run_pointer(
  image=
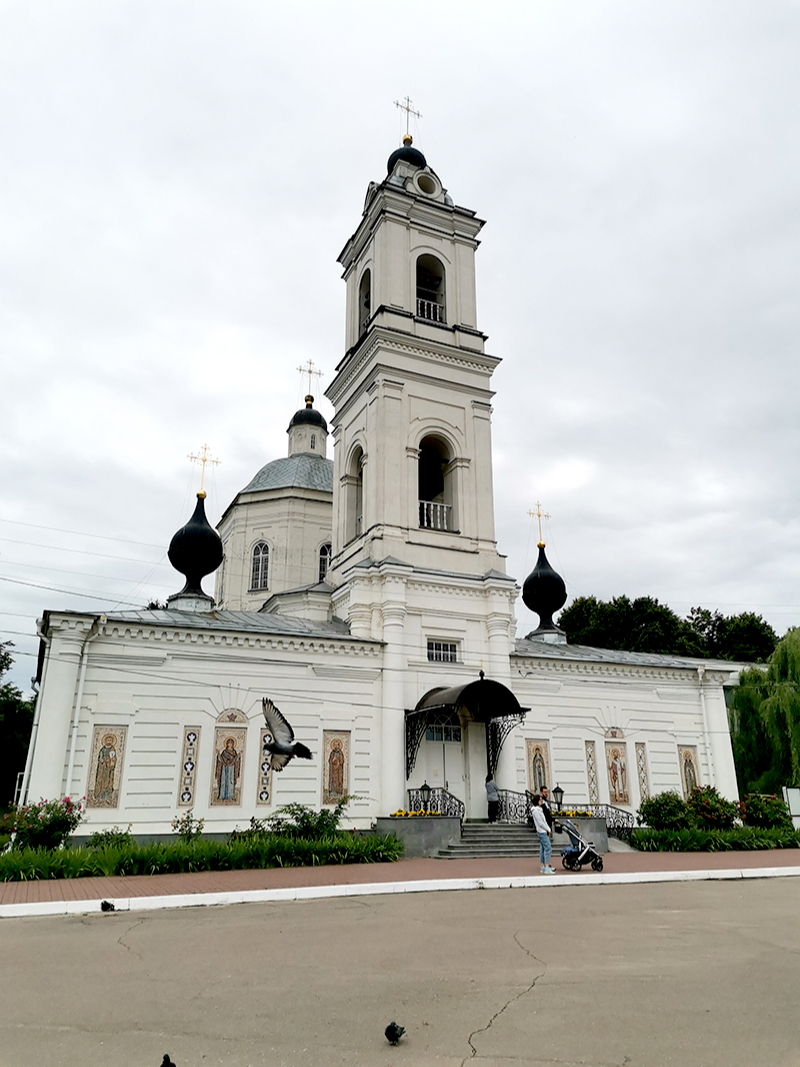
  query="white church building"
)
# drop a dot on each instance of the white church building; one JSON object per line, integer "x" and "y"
{"x": 366, "y": 597}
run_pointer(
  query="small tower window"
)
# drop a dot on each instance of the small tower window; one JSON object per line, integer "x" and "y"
{"x": 260, "y": 572}
{"x": 324, "y": 561}
{"x": 430, "y": 289}
{"x": 313, "y": 442}
{"x": 364, "y": 301}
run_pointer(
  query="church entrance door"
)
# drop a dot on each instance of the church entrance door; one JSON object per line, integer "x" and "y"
{"x": 442, "y": 756}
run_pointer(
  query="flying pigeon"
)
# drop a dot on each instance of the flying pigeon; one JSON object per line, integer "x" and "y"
{"x": 394, "y": 1033}
{"x": 283, "y": 745}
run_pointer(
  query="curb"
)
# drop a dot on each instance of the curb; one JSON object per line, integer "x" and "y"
{"x": 320, "y": 892}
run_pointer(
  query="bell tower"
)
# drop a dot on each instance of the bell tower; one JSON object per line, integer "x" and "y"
{"x": 412, "y": 395}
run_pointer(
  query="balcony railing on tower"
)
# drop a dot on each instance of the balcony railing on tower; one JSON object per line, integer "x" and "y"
{"x": 433, "y": 516}
{"x": 429, "y": 309}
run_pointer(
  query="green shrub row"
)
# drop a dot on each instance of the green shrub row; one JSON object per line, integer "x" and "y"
{"x": 254, "y": 852}
{"x": 695, "y": 839}
{"x": 706, "y": 809}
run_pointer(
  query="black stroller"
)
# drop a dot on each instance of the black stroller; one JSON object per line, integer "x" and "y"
{"x": 580, "y": 851}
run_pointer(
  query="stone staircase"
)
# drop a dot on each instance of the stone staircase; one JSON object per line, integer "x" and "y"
{"x": 480, "y": 840}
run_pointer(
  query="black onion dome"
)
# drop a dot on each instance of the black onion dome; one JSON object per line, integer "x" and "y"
{"x": 407, "y": 154}
{"x": 196, "y": 549}
{"x": 308, "y": 415}
{"x": 544, "y": 592}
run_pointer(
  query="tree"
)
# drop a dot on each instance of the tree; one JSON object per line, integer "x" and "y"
{"x": 645, "y": 625}
{"x": 765, "y": 721}
{"x": 640, "y": 625}
{"x": 745, "y": 637}
{"x": 16, "y": 721}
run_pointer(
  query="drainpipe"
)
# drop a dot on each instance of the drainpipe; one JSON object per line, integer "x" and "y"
{"x": 26, "y": 777}
{"x": 99, "y": 621}
{"x": 706, "y": 740}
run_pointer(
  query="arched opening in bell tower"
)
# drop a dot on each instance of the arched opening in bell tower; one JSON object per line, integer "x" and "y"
{"x": 435, "y": 481}
{"x": 354, "y": 488}
{"x": 364, "y": 301}
{"x": 430, "y": 289}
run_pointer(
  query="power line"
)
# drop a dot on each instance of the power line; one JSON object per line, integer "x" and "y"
{"x": 78, "y": 533}
{"x": 68, "y": 592}
{"x": 81, "y": 551}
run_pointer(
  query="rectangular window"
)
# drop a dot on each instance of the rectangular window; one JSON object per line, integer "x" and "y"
{"x": 442, "y": 652}
{"x": 443, "y": 733}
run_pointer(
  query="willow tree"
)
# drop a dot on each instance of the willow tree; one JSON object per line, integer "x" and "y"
{"x": 765, "y": 721}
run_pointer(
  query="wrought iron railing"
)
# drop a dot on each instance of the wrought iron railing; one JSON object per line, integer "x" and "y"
{"x": 441, "y": 803}
{"x": 514, "y": 807}
{"x": 619, "y": 823}
{"x": 429, "y": 309}
{"x": 433, "y": 516}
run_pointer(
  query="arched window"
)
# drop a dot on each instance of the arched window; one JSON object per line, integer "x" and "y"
{"x": 435, "y": 485}
{"x": 430, "y": 289}
{"x": 324, "y": 561}
{"x": 260, "y": 573}
{"x": 364, "y": 301}
{"x": 354, "y": 482}
{"x": 313, "y": 442}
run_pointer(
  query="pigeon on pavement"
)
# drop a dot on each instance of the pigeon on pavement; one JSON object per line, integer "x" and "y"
{"x": 167, "y": 1062}
{"x": 106, "y": 905}
{"x": 394, "y": 1033}
{"x": 283, "y": 745}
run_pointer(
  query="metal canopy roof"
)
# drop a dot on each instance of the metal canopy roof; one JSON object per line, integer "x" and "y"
{"x": 483, "y": 699}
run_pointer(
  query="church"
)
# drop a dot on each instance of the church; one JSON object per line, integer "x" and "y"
{"x": 359, "y": 587}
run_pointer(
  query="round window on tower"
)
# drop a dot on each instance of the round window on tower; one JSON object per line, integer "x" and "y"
{"x": 426, "y": 183}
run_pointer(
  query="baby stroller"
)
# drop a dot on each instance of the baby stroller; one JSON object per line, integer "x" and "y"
{"x": 580, "y": 851}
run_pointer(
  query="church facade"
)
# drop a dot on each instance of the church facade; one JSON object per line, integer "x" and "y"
{"x": 366, "y": 597}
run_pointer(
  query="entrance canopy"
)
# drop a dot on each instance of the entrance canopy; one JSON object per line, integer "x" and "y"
{"x": 484, "y": 700}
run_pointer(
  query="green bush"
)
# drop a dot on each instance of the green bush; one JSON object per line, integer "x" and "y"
{"x": 695, "y": 839}
{"x": 104, "y": 838}
{"x": 255, "y": 852}
{"x": 667, "y": 811}
{"x": 297, "y": 821}
{"x": 765, "y": 812}
{"x": 708, "y": 810}
{"x": 186, "y": 826}
{"x": 45, "y": 825}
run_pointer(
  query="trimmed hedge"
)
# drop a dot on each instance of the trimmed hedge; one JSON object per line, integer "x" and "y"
{"x": 253, "y": 853}
{"x": 739, "y": 839}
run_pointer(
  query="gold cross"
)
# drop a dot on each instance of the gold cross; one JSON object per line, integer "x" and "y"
{"x": 409, "y": 110}
{"x": 309, "y": 370}
{"x": 539, "y": 514}
{"x": 203, "y": 459}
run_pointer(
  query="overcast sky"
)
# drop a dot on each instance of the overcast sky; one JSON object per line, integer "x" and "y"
{"x": 178, "y": 178}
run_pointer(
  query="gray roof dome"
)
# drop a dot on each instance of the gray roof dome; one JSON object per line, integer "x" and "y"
{"x": 301, "y": 471}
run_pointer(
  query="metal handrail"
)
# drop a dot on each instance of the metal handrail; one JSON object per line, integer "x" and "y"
{"x": 619, "y": 823}
{"x": 514, "y": 807}
{"x": 441, "y": 803}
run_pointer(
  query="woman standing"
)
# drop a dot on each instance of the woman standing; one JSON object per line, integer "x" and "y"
{"x": 543, "y": 830}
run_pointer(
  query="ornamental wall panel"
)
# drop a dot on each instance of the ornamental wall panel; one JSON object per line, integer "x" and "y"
{"x": 690, "y": 778}
{"x": 641, "y": 770}
{"x": 187, "y": 776}
{"x": 617, "y": 766}
{"x": 538, "y": 765}
{"x": 105, "y": 766}
{"x": 264, "y": 792}
{"x": 229, "y": 751}
{"x": 591, "y": 771}
{"x": 335, "y": 765}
